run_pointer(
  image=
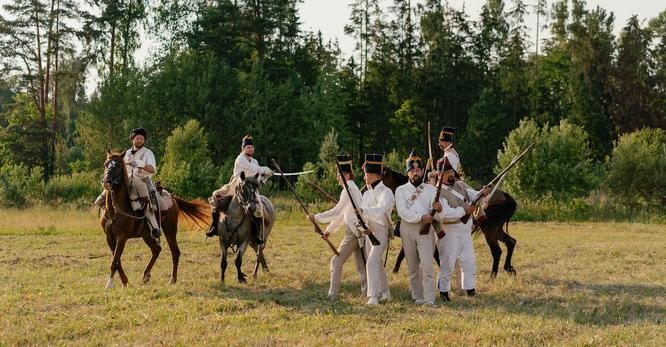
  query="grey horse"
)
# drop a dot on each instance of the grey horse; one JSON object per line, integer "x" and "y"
{"x": 234, "y": 228}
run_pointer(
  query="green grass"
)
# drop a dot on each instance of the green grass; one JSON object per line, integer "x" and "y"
{"x": 577, "y": 284}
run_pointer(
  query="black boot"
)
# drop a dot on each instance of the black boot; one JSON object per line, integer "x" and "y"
{"x": 444, "y": 296}
{"x": 471, "y": 292}
{"x": 213, "y": 226}
{"x": 257, "y": 224}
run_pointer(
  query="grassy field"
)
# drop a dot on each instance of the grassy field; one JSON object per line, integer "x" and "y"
{"x": 577, "y": 284}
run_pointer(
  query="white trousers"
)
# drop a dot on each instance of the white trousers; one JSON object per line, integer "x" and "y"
{"x": 418, "y": 252}
{"x": 377, "y": 279}
{"x": 457, "y": 244}
{"x": 348, "y": 246}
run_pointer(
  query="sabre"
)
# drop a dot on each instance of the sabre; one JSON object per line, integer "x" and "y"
{"x": 316, "y": 226}
{"x": 293, "y": 173}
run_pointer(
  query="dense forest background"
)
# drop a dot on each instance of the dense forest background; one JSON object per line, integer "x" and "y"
{"x": 229, "y": 68}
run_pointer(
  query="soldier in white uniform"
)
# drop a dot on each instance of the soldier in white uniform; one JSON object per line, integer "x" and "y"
{"x": 140, "y": 165}
{"x": 457, "y": 242}
{"x": 222, "y": 197}
{"x": 342, "y": 215}
{"x": 376, "y": 208}
{"x": 414, "y": 200}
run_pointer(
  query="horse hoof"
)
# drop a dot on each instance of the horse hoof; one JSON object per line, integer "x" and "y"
{"x": 241, "y": 278}
{"x": 109, "y": 283}
{"x": 493, "y": 275}
{"x": 511, "y": 271}
{"x": 172, "y": 280}
{"x": 145, "y": 279}
{"x": 124, "y": 285}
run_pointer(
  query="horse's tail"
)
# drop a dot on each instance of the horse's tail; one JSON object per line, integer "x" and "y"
{"x": 195, "y": 210}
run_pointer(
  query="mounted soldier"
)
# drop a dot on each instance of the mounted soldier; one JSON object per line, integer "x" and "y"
{"x": 245, "y": 163}
{"x": 342, "y": 215}
{"x": 141, "y": 166}
{"x": 446, "y": 137}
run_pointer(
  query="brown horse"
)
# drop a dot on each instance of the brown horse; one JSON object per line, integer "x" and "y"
{"x": 495, "y": 229}
{"x": 121, "y": 223}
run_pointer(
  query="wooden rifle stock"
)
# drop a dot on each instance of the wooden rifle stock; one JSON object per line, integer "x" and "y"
{"x": 316, "y": 226}
{"x": 426, "y": 228}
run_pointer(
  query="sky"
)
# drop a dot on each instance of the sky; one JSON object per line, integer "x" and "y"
{"x": 330, "y": 16}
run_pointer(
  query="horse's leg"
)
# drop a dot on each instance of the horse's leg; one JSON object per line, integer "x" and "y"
{"x": 170, "y": 234}
{"x": 223, "y": 262}
{"x": 495, "y": 250}
{"x": 239, "y": 262}
{"x": 116, "y": 265}
{"x": 155, "y": 250}
{"x": 398, "y": 260}
{"x": 262, "y": 258}
{"x": 256, "y": 265}
{"x": 510, "y": 243}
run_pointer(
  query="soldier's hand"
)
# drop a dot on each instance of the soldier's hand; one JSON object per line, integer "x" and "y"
{"x": 310, "y": 217}
{"x": 269, "y": 173}
{"x": 485, "y": 191}
{"x": 426, "y": 218}
{"x": 469, "y": 209}
{"x": 325, "y": 235}
{"x": 132, "y": 163}
{"x": 437, "y": 206}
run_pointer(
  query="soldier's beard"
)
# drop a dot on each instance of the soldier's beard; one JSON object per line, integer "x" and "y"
{"x": 138, "y": 146}
{"x": 451, "y": 180}
{"x": 415, "y": 180}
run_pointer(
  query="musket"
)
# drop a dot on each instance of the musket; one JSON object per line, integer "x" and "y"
{"x": 498, "y": 178}
{"x": 316, "y": 226}
{"x": 426, "y": 228}
{"x": 321, "y": 191}
{"x": 430, "y": 164}
{"x": 361, "y": 222}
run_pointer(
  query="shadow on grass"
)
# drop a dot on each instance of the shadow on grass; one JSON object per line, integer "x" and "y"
{"x": 583, "y": 303}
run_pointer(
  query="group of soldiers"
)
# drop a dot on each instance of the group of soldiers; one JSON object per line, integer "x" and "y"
{"x": 414, "y": 202}
{"x": 445, "y": 220}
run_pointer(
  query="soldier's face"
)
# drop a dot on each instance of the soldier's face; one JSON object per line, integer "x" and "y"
{"x": 448, "y": 176}
{"x": 415, "y": 174}
{"x": 443, "y": 144}
{"x": 138, "y": 141}
{"x": 248, "y": 150}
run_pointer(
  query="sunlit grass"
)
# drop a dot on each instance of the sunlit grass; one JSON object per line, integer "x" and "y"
{"x": 577, "y": 283}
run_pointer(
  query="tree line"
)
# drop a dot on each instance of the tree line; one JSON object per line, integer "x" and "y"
{"x": 247, "y": 66}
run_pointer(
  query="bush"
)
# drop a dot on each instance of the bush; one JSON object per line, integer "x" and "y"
{"x": 187, "y": 170}
{"x": 80, "y": 189}
{"x": 19, "y": 186}
{"x": 559, "y": 166}
{"x": 637, "y": 168}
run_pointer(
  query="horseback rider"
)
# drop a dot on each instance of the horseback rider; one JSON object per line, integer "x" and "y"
{"x": 141, "y": 166}
{"x": 222, "y": 197}
{"x": 343, "y": 215}
{"x": 446, "y": 145}
{"x": 457, "y": 242}
{"x": 413, "y": 201}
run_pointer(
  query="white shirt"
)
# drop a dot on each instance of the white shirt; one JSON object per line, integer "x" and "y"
{"x": 248, "y": 165}
{"x": 450, "y": 214}
{"x": 412, "y": 202}
{"x": 377, "y": 204}
{"x": 343, "y": 212}
{"x": 453, "y": 158}
{"x": 142, "y": 157}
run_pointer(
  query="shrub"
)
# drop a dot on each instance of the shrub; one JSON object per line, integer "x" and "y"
{"x": 79, "y": 188}
{"x": 19, "y": 186}
{"x": 187, "y": 170}
{"x": 559, "y": 165}
{"x": 637, "y": 168}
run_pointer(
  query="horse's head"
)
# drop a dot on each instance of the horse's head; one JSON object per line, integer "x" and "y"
{"x": 114, "y": 170}
{"x": 248, "y": 192}
{"x": 393, "y": 179}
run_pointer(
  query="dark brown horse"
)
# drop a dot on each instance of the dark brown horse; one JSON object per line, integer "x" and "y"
{"x": 121, "y": 223}
{"x": 499, "y": 211}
